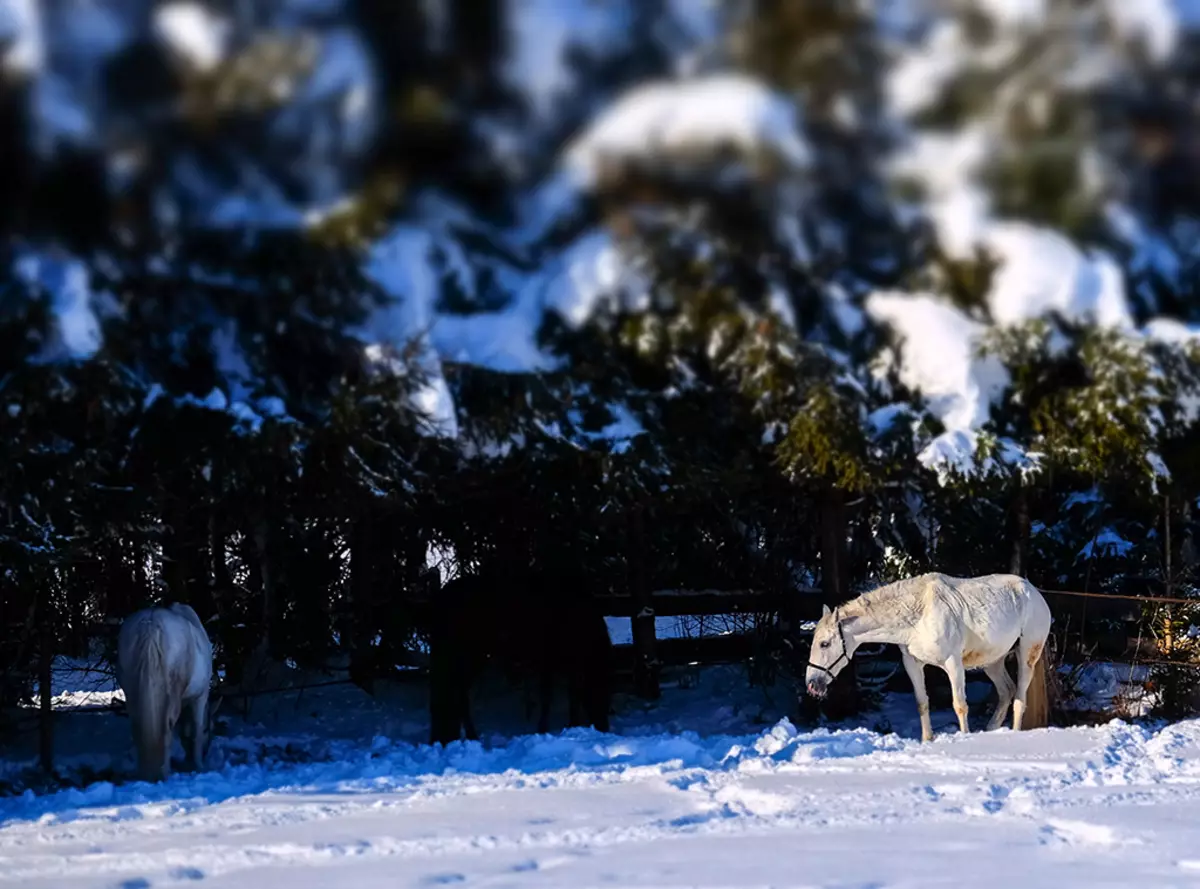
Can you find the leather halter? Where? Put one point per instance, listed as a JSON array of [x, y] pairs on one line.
[[838, 659]]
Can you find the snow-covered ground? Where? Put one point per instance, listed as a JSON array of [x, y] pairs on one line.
[[706, 787], [1113, 805]]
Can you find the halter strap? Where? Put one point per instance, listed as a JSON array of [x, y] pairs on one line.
[[839, 658]]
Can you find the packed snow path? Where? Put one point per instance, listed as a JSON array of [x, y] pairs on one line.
[[1117, 805]]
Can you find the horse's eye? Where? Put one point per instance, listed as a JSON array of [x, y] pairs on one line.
[[825, 644]]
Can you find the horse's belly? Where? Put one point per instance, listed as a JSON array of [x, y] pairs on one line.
[[201, 676], [198, 666], [979, 652], [973, 658]]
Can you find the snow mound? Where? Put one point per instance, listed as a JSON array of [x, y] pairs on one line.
[[1041, 271], [592, 274], [400, 264], [937, 349], [20, 35], [1106, 542], [192, 32], [1171, 331], [1096, 686], [919, 77], [383, 763], [66, 281], [944, 165], [543, 33], [1158, 24], [682, 116], [1016, 13], [939, 358], [1084, 806], [581, 280]]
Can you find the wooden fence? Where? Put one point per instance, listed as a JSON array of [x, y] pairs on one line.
[[1073, 610], [1103, 623], [798, 605]]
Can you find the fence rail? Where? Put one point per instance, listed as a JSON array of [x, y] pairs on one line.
[[799, 604], [804, 603], [1168, 600]]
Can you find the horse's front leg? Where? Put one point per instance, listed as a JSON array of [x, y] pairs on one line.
[[958, 689], [916, 673]]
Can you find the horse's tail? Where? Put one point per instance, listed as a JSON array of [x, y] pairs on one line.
[[149, 713], [1037, 696], [1037, 699]]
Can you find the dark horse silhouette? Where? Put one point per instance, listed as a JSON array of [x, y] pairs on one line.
[[532, 635]]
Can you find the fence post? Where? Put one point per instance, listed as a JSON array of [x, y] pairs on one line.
[[1021, 528], [1168, 580], [45, 689], [844, 698], [645, 662], [447, 691]]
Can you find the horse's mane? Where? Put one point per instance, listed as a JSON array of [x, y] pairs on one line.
[[884, 596]]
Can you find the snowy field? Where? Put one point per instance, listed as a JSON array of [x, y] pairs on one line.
[[707, 787]]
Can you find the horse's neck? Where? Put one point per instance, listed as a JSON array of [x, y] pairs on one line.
[[883, 623]]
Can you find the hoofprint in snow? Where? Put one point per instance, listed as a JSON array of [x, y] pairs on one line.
[[706, 787]]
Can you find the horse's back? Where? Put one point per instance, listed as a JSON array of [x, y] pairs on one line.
[[185, 647], [996, 594], [993, 611], [191, 651], [1004, 588]]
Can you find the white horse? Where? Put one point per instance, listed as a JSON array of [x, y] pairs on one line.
[[164, 666], [956, 623]]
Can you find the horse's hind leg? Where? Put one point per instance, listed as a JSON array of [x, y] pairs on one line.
[[196, 719], [173, 710], [1028, 653], [998, 673]]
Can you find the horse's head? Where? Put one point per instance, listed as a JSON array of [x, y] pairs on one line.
[[830, 652]]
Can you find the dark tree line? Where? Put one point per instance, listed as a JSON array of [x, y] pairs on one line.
[[188, 410]]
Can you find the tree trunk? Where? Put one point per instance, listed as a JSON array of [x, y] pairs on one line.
[[645, 663], [220, 584], [1168, 576], [1187, 543], [362, 578], [844, 698], [448, 694], [115, 579], [45, 688], [174, 552], [262, 545], [185, 546], [1019, 562], [835, 568]]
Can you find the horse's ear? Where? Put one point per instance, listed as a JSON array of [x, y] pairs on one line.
[[825, 612]]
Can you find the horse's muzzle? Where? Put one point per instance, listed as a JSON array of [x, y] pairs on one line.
[[817, 688]]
